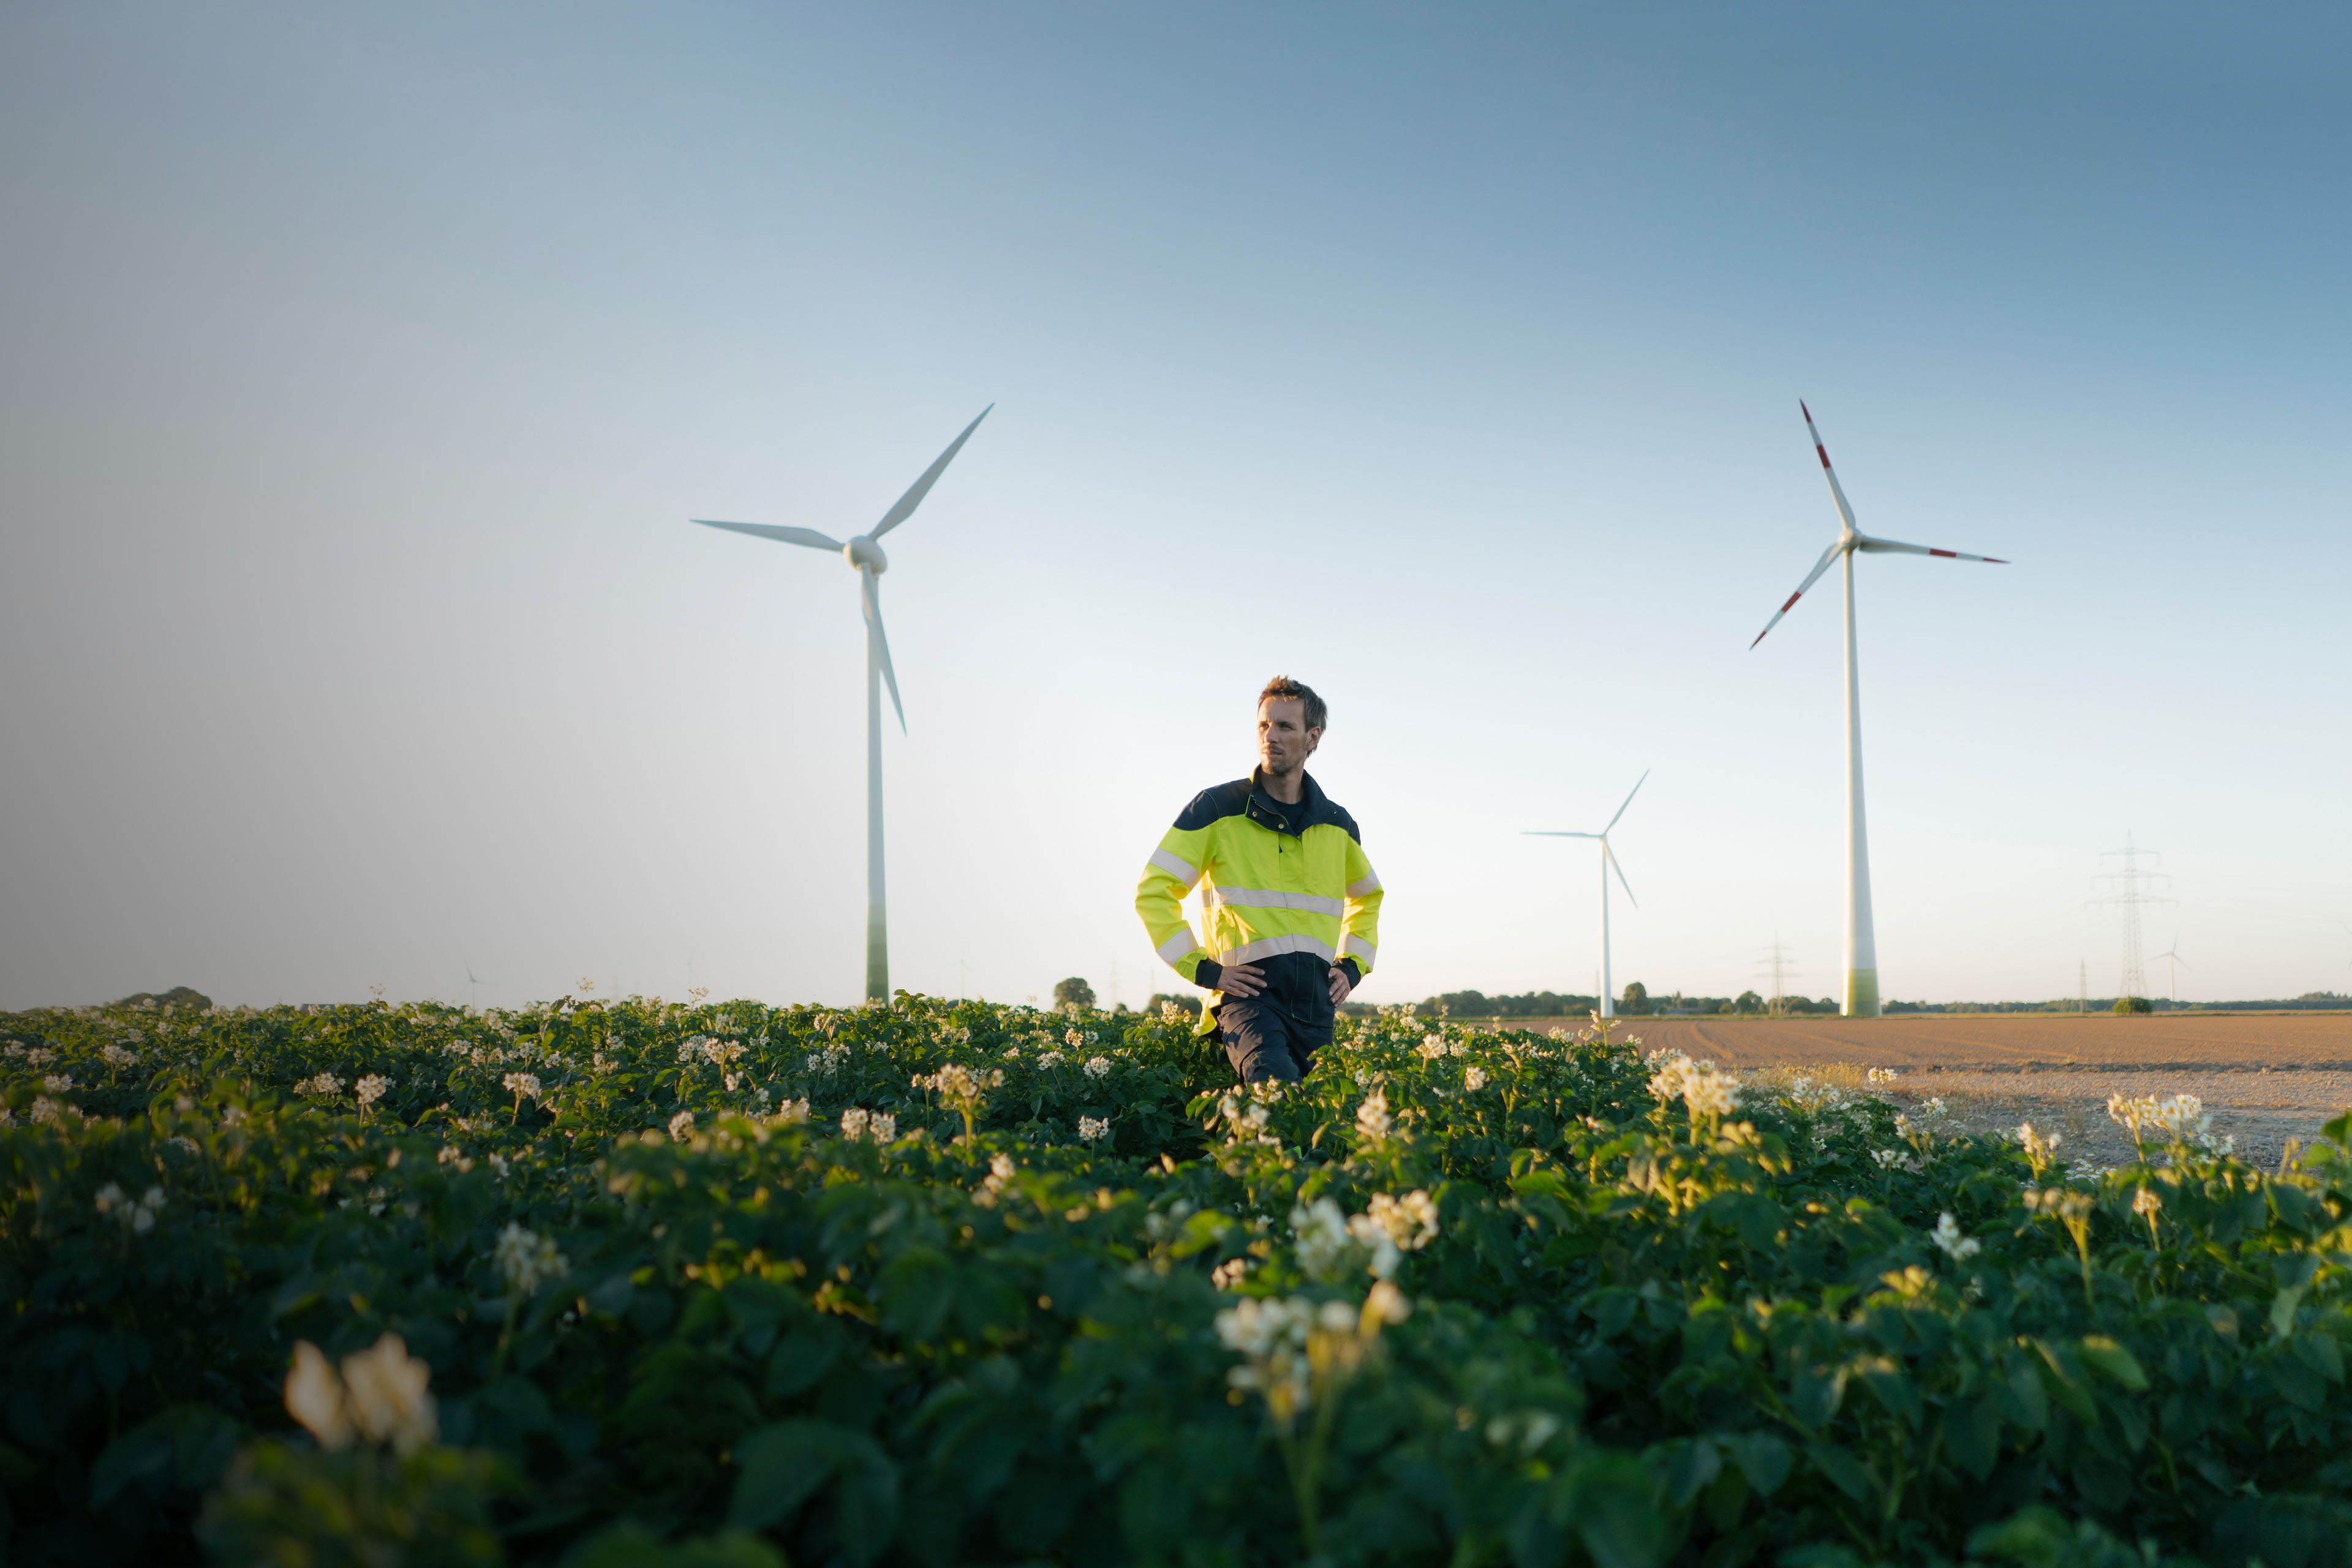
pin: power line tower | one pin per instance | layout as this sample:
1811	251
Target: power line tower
1780	964
2126	891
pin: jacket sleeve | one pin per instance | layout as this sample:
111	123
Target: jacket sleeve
1173	871
1360	920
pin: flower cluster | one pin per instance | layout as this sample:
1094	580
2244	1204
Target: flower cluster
1703	1090
325	1084
1093	1127
370	1089
1373	1124
1000	1170
1882	1075
879	1125
1098	1066
117	1058
381	1396
1276	1338
681	1125
827	1062
528	1261
1245	1123
140	1216
1947	1234
1331	1244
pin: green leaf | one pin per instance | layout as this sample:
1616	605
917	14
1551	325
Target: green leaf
1843	1470
2105	1355
780	1467
1762	1457
2320	1352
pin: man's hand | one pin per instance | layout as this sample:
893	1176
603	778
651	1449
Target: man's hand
1340	985
1242	980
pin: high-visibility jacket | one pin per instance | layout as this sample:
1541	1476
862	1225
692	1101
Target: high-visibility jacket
1275	879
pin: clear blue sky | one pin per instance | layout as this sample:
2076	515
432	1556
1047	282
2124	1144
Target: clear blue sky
360	366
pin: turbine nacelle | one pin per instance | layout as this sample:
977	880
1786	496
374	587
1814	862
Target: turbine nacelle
865	554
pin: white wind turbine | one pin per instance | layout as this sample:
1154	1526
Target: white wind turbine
864	553
1860	945
1608	864
2173	965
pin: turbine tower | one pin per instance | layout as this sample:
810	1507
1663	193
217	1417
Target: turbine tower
1861	943
1608	863
2173	965
864	553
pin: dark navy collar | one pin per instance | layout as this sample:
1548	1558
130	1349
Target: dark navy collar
1267	812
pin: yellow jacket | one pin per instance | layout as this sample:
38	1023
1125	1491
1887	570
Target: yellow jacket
1277	879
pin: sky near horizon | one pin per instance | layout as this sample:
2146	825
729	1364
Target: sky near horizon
360	368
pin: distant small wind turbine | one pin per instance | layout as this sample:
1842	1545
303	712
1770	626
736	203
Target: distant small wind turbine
2172	961
1861	943
864	553
1608	864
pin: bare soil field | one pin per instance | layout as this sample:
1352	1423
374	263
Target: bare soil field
2264	1077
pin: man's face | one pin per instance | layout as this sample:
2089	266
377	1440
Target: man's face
1284	741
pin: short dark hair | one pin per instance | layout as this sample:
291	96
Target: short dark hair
1283	685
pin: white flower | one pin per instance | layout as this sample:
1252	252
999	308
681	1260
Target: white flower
48	1110
1388	1303
384	1389
314	1396
827	1061
681	1125
1372	1122
1958	1247
884	1126
370	1089
108	1197
2038	1149
790	1112
40	1057
522	1085
601	1064
1474	1078
1883	1074
326	1083
1888	1158
1051	1059
1322	1237
1432	1046
1225	1276
1091	1128
2146	1203
57	1083
117	1058
1072	1038
528	1261
1098	1066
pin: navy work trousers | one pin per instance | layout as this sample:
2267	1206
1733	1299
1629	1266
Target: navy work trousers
1266	1044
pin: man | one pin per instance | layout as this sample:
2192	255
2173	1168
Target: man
1293	908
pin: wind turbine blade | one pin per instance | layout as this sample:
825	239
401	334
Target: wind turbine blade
1836	491
1629	800
1621	882
1536	835
1895	547
872	595
808	536
1812	577
922	487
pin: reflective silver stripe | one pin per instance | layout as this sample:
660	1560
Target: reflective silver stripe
1370	884
1272	899
1357	947
1175	868
1177	946
1274	946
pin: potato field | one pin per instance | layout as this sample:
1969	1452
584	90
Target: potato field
934	1283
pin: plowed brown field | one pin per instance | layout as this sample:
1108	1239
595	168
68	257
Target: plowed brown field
2265	1077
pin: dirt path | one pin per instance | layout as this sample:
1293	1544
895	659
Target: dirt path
2264	1077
